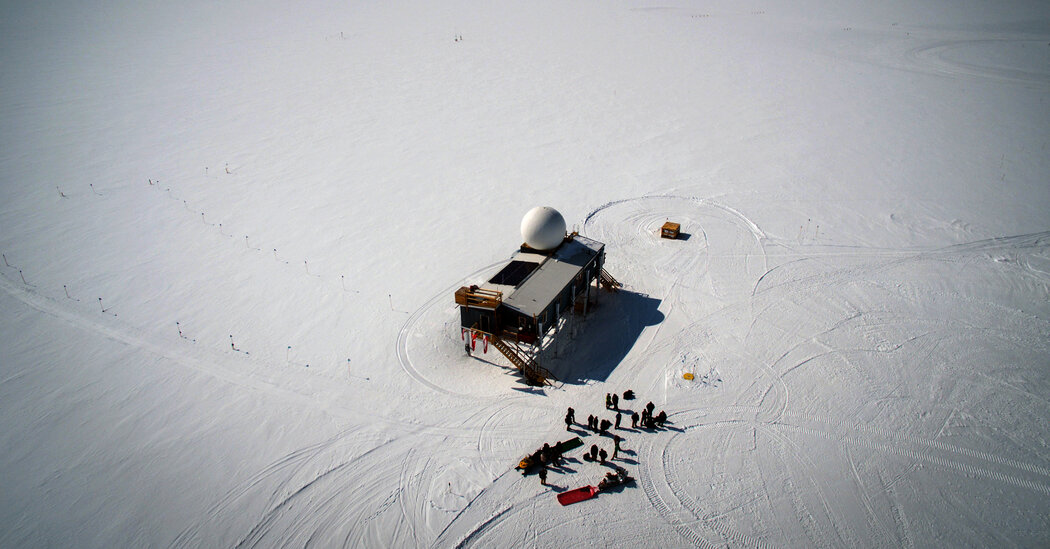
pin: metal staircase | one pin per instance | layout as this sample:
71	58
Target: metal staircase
608	282
530	369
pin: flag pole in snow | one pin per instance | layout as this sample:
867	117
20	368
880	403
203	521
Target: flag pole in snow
23	277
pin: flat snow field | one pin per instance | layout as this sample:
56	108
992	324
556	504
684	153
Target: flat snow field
231	233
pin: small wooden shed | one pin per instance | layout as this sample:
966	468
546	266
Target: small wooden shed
670	230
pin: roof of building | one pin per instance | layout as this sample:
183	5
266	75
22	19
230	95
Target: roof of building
542	284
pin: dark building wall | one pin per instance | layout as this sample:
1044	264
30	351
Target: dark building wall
484	318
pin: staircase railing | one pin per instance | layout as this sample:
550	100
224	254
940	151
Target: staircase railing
608	282
533	372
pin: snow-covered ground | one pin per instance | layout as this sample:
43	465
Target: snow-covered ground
863	298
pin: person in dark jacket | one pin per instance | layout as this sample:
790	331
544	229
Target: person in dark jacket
570	416
605	426
616	445
619	417
634	420
602	454
543	476
615	402
608	401
650	407
568	422
661	418
594	452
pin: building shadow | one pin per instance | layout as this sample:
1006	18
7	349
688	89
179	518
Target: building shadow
604	338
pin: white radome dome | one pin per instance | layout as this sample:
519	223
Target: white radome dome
543	228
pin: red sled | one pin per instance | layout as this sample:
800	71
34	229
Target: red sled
577	495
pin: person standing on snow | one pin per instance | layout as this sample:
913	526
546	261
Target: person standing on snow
602	454
619	417
616	445
634	420
615	402
543	476
568	421
570	416
608	401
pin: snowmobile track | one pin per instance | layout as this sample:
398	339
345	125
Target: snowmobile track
403	356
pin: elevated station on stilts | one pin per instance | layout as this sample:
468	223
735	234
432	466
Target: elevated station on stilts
554	277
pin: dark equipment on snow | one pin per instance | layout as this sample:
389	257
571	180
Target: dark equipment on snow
614	479
531	461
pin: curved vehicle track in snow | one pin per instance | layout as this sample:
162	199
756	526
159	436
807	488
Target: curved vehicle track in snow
962	59
853	339
412	326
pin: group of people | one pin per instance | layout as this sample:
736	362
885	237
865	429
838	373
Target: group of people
602	426
548	457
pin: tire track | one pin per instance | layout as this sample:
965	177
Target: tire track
402	338
936	444
646	477
817	534
738	539
900	521
931	57
925	456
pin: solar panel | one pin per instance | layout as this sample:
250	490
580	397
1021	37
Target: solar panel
514	272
